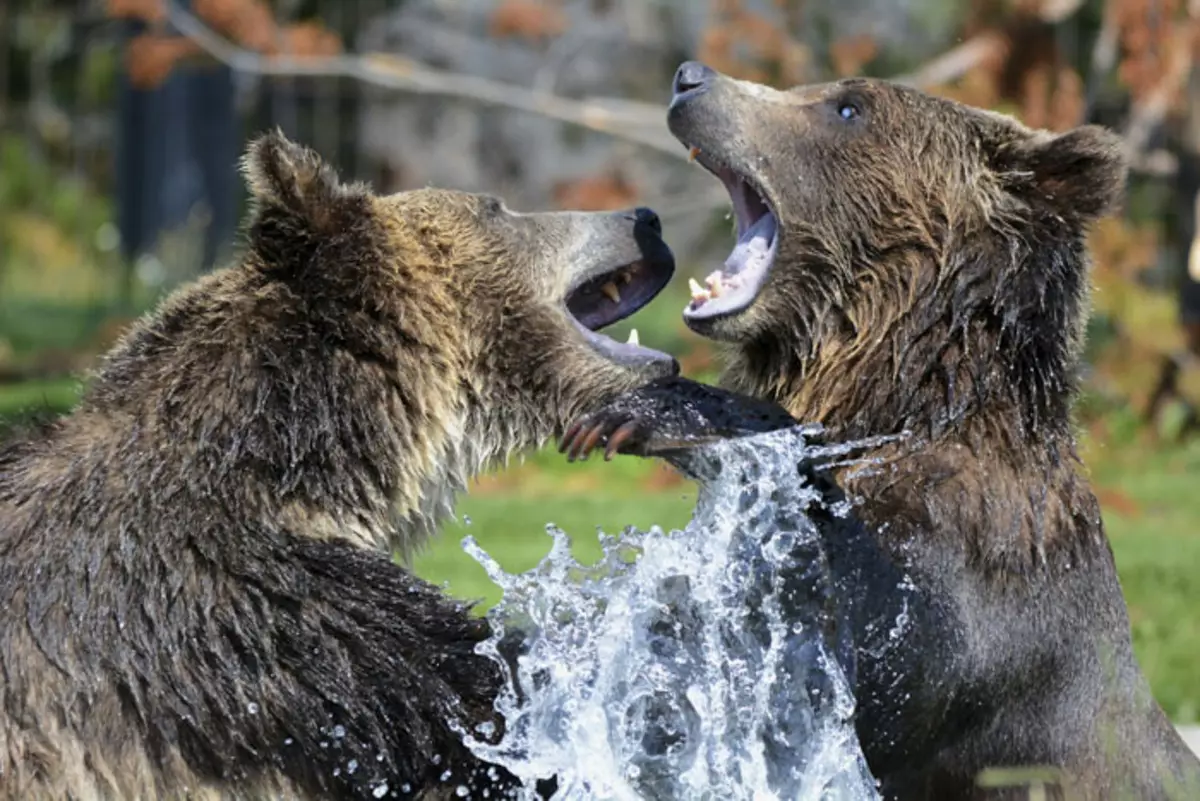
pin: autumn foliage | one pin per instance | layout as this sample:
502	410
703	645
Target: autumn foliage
151	56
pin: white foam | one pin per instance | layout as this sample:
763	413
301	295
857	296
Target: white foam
688	664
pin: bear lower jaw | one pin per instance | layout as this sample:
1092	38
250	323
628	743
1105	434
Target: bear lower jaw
629	354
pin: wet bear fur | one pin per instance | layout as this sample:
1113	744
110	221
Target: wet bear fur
930	281
197	593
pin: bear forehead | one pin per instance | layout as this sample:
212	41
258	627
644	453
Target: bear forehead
913	108
437	201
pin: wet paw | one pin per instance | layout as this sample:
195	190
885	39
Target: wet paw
620	431
667	417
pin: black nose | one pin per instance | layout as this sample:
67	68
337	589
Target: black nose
692	75
645	216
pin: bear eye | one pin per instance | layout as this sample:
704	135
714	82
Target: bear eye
848	110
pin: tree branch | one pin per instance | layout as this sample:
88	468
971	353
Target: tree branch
957	61
1149	111
643	123
1103	60
633	121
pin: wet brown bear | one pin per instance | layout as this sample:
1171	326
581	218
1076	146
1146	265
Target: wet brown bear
909	264
196	594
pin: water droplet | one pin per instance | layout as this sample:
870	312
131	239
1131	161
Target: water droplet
487	728
352	766
466	520
445	777
461	791
288	741
252	708
380	790
436	759
339	731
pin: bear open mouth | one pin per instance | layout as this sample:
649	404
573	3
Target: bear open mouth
735	286
604	299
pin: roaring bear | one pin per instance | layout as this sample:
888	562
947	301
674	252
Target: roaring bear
907	265
197	593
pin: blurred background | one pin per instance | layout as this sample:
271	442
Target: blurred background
121	123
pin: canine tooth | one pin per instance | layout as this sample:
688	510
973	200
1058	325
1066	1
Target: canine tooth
627	276
693	152
697	290
611	292
714	283
633	337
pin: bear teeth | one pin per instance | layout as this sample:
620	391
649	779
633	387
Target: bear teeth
699	293
633	337
715	287
611	292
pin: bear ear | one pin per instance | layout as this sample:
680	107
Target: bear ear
1080	173
283	175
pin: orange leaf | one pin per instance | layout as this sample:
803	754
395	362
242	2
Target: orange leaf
150	58
527	19
152	11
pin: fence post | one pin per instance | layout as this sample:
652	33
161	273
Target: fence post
177	145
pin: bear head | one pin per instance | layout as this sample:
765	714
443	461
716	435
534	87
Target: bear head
515	300
368	354
872	217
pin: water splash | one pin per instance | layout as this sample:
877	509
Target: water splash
694	664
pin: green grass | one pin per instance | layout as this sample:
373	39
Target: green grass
1156	544
513	530
509	512
22	400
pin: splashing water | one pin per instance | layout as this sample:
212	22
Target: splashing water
695	664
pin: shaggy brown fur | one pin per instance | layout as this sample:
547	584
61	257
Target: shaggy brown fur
197	598
930	277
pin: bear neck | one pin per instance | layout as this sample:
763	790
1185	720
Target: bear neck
972	365
988	340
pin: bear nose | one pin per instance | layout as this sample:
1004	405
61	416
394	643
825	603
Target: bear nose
645	216
692	75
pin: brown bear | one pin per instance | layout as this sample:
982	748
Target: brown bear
906	265
197	595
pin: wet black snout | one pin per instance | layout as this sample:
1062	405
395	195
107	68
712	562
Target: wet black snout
648	234
643	216
692	76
